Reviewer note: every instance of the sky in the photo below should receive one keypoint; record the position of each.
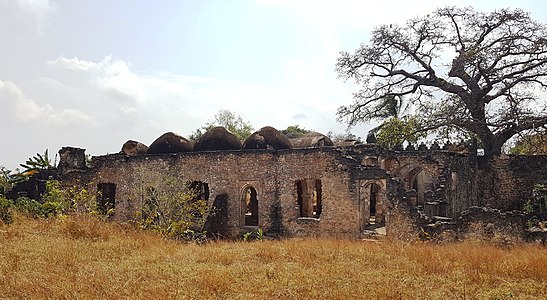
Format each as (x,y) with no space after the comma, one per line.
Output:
(96,73)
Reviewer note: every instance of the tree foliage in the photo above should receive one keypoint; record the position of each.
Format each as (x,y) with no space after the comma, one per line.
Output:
(395,131)
(337,138)
(294,131)
(531,144)
(171,206)
(229,120)
(38,162)
(477,72)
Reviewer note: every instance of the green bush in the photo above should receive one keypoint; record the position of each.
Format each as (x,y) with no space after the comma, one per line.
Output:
(172,207)
(29,207)
(6,215)
(536,206)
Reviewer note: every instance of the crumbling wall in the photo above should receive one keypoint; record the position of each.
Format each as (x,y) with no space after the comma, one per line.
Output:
(273,174)
(450,178)
(506,182)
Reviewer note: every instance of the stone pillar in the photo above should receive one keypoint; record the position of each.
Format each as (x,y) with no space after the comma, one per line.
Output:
(71,158)
(308,187)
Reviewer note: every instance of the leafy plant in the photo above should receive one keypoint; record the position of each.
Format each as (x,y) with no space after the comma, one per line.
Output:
(395,131)
(37,162)
(533,143)
(171,207)
(257,235)
(6,215)
(229,120)
(536,206)
(29,207)
(294,131)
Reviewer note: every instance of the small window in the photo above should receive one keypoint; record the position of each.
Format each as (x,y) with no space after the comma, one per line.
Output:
(250,203)
(309,194)
(106,197)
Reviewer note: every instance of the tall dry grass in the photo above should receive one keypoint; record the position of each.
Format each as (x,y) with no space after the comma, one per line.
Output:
(82,258)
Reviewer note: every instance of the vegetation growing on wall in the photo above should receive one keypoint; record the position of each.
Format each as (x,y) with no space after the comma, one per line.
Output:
(536,205)
(171,206)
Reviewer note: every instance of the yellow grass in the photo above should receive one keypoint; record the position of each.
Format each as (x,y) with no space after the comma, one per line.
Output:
(80,258)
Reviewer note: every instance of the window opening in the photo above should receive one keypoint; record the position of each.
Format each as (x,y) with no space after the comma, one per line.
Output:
(106,197)
(250,202)
(309,198)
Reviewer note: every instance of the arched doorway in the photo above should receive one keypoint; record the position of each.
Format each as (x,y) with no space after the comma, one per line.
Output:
(371,202)
(421,182)
(249,203)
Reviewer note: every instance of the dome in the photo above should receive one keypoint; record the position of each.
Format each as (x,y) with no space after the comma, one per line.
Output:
(311,140)
(170,143)
(267,138)
(217,138)
(134,148)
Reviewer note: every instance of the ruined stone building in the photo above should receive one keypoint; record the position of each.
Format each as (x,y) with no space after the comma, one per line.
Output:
(307,187)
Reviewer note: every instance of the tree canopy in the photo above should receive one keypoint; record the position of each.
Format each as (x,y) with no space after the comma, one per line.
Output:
(294,131)
(531,144)
(229,120)
(457,68)
(394,131)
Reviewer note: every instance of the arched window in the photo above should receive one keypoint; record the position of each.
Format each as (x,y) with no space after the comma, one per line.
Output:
(250,205)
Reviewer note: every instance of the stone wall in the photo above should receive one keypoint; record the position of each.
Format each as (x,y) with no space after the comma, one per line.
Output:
(273,174)
(413,186)
(506,182)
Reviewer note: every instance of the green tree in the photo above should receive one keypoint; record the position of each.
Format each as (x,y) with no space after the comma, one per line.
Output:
(229,120)
(395,131)
(457,68)
(533,143)
(294,131)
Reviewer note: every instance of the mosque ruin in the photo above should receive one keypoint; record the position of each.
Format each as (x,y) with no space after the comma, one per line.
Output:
(309,186)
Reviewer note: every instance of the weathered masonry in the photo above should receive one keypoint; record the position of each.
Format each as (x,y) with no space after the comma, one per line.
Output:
(320,190)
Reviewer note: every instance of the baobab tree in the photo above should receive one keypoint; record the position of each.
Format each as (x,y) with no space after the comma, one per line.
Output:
(481,73)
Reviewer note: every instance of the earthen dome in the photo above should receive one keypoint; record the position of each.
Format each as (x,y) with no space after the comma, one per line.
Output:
(134,148)
(170,143)
(217,138)
(312,139)
(267,138)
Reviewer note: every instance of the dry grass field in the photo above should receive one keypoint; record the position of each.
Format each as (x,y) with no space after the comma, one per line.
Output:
(81,258)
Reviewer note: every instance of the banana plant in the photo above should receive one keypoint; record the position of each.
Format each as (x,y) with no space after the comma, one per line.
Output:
(37,162)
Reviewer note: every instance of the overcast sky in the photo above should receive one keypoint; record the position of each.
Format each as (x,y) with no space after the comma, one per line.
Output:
(94,74)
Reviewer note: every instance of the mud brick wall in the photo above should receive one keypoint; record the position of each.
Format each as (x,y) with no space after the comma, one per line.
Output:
(506,182)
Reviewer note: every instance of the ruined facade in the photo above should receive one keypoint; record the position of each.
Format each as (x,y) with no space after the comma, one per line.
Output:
(314,191)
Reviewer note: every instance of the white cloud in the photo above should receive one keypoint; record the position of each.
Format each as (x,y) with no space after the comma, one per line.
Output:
(40,10)
(28,110)
(74,64)
(99,105)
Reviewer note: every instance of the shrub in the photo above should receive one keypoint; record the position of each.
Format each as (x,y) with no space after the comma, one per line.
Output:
(171,207)
(28,207)
(6,215)
(537,205)
(59,200)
